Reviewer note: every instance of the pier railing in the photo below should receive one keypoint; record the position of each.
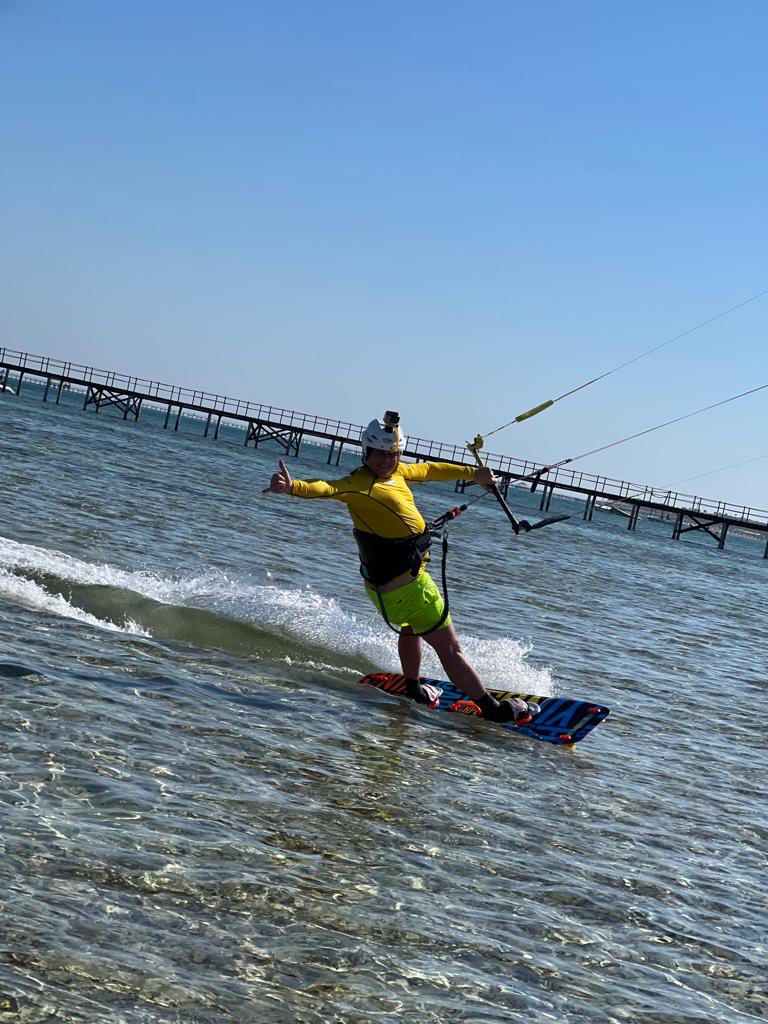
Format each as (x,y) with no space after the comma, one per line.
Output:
(519,471)
(171,394)
(526,472)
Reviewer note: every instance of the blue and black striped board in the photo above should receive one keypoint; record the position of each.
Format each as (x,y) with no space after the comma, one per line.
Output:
(560,720)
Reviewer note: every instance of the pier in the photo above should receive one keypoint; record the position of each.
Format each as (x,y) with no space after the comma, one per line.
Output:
(129,396)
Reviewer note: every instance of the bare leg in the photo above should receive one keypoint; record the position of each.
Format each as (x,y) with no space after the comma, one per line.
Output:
(462,674)
(409,647)
(457,668)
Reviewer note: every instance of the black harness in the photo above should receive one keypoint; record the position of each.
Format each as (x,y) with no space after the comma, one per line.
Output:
(382,560)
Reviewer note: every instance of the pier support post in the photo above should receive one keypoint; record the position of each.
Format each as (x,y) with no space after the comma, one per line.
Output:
(127,401)
(677,529)
(332,451)
(289,438)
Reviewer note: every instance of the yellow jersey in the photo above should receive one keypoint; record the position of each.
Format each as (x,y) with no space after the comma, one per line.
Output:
(386,507)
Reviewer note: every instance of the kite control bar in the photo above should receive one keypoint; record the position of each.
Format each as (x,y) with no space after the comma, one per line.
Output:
(518,525)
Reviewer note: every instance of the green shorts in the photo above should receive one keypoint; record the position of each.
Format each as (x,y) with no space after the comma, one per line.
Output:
(418,604)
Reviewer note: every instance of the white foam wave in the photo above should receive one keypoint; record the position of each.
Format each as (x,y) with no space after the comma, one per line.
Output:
(29,558)
(303,614)
(29,593)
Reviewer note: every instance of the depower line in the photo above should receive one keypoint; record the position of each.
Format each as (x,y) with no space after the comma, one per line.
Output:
(641,433)
(683,334)
(711,472)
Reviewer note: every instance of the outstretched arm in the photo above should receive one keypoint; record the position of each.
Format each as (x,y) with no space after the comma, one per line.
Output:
(416,471)
(281,482)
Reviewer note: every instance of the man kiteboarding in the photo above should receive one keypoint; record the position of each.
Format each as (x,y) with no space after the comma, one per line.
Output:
(393,542)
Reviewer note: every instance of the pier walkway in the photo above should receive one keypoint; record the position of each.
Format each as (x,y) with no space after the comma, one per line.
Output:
(128,396)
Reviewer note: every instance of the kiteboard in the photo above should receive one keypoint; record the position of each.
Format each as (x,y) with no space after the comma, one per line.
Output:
(560,720)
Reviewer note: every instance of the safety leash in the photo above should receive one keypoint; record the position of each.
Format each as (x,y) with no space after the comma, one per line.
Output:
(438,529)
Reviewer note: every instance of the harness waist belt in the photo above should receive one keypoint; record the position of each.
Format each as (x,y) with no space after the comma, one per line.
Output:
(381,560)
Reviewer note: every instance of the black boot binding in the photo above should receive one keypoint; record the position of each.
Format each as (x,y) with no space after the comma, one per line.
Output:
(423,693)
(506,710)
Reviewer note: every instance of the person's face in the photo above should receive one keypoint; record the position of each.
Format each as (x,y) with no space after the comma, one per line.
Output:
(382,464)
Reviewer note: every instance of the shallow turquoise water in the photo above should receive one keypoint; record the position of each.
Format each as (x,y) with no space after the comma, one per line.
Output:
(205,818)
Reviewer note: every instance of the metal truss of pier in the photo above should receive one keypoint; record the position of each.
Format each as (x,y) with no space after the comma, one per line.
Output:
(129,396)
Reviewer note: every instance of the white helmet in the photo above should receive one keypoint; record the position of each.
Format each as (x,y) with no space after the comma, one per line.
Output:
(384,434)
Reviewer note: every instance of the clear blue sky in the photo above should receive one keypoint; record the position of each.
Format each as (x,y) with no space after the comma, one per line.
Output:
(456,209)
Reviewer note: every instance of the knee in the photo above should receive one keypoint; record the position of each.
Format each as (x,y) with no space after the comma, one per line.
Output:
(454,647)
(446,643)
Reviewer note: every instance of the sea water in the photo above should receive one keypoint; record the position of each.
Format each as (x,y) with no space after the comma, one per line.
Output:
(205,817)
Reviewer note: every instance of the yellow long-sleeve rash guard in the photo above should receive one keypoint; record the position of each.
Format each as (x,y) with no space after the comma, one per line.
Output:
(385,508)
